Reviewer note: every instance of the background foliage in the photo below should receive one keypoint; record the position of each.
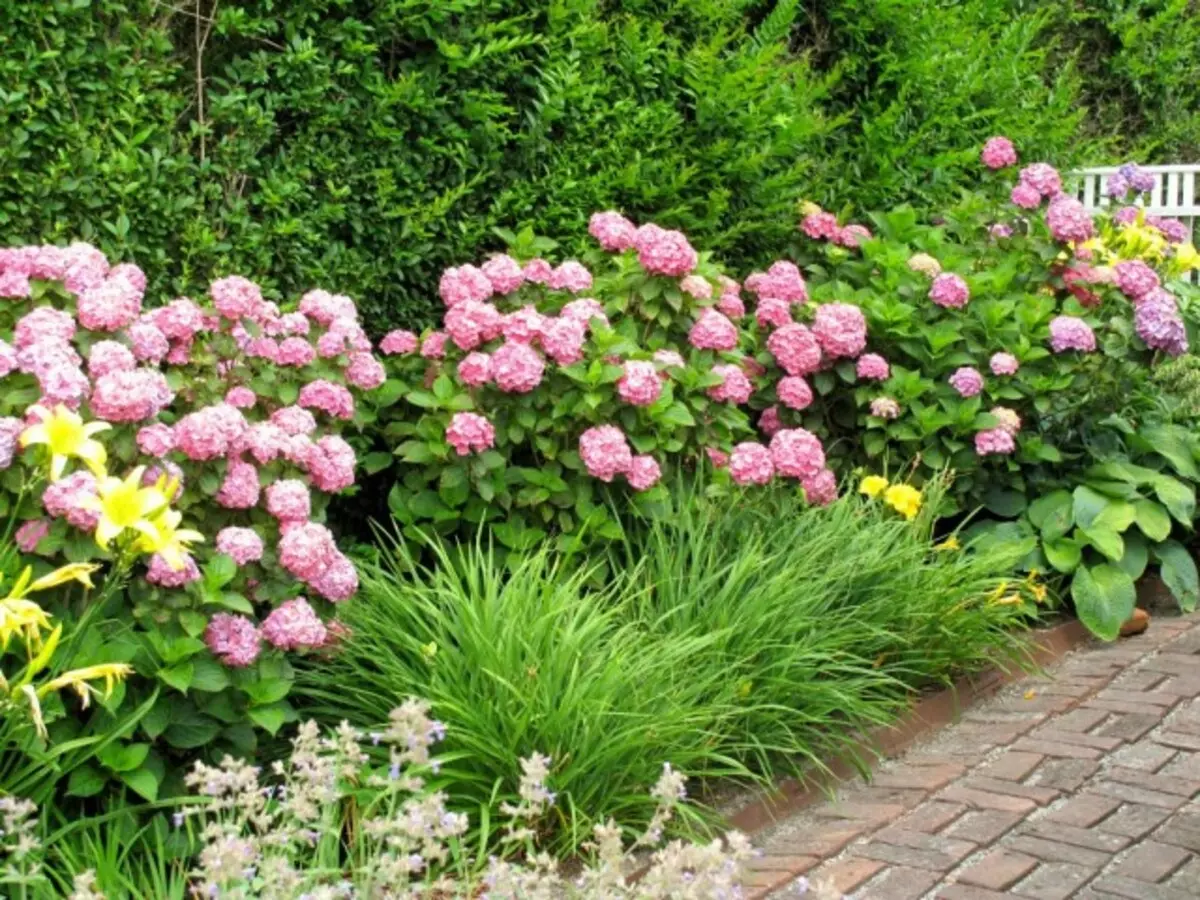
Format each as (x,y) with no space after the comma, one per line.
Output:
(374,143)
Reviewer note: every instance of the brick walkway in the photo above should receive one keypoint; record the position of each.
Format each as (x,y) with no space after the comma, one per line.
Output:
(1079,784)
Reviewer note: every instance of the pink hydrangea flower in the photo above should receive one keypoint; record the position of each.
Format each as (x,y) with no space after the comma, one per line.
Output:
(106,357)
(241,397)
(264,441)
(872,367)
(663,252)
(820,489)
(773,312)
(475,369)
(852,236)
(1159,325)
(840,329)
(331,399)
(294,420)
(998,153)
(797,453)
(156,440)
(1071,333)
(398,342)
(643,473)
(1003,364)
(1068,220)
(469,432)
(236,298)
(364,371)
(713,331)
(571,276)
(179,320)
(131,273)
(782,281)
(669,359)
(524,325)
(793,392)
(294,351)
(734,388)
(30,534)
(294,626)
(1025,196)
(434,345)
(994,441)
(240,489)
(110,305)
(64,498)
(1175,231)
(325,308)
(234,640)
(83,267)
(306,550)
(463,283)
(131,396)
(750,463)
(538,271)
(209,432)
(338,582)
(1134,278)
(696,286)
(517,368)
(885,408)
(1007,419)
(1043,178)
(820,226)
(288,500)
(243,544)
(925,264)
(1000,230)
(470,323)
(605,452)
(163,574)
(14,285)
(950,291)
(149,343)
(719,458)
(504,273)
(612,230)
(769,422)
(640,384)
(563,338)
(330,463)
(583,310)
(967,381)
(796,349)
(43,324)
(730,304)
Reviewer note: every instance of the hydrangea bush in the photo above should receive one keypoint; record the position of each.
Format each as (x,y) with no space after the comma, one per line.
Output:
(121,424)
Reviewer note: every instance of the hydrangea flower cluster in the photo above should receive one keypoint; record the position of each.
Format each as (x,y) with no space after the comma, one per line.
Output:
(1071,333)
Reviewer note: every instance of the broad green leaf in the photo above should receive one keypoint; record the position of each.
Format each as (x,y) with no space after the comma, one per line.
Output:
(143,782)
(1052,514)
(1104,599)
(1004,503)
(1117,516)
(1171,443)
(195,733)
(86,781)
(270,718)
(1177,497)
(1087,504)
(123,757)
(1063,554)
(209,675)
(178,676)
(1152,519)
(1105,540)
(1137,554)
(1178,570)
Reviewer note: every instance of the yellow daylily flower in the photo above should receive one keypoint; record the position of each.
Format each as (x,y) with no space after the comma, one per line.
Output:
(23,617)
(66,436)
(950,543)
(169,541)
(81,572)
(79,680)
(1038,591)
(903,498)
(873,486)
(124,505)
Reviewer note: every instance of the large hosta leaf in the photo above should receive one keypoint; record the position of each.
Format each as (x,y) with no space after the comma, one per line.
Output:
(1104,599)
(1178,570)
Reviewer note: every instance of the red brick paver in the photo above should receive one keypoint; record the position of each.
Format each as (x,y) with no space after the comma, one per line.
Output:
(1082,783)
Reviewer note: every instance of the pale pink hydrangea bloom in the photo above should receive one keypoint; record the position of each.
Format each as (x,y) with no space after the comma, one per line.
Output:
(605,452)
(325,308)
(364,371)
(663,252)
(110,305)
(563,338)
(885,408)
(42,357)
(398,342)
(43,324)
(63,499)
(840,329)
(872,367)
(294,420)
(209,432)
(131,396)
(331,399)
(750,463)
(264,441)
(236,298)
(241,397)
(925,264)
(950,291)
(1068,220)
(517,368)
(63,384)
(1000,230)
(330,463)
(719,458)
(156,440)
(538,271)
(994,441)
(470,323)
(669,359)
(524,325)
(1175,231)
(259,348)
(240,489)
(1159,324)
(14,285)
(797,453)
(612,230)
(820,489)
(730,304)
(820,226)
(338,582)
(434,345)
(149,343)
(782,281)
(504,273)
(852,236)
(571,276)
(8,359)
(998,153)
(1025,196)
(131,273)
(470,432)
(1003,364)
(108,356)
(734,388)
(475,369)
(769,422)
(83,267)
(295,352)
(796,349)
(967,381)
(289,500)
(643,473)
(793,392)
(640,384)
(697,286)
(1007,418)
(163,574)
(773,312)
(1043,178)
(1134,278)
(243,544)
(463,283)
(584,310)
(294,626)
(30,534)
(234,640)
(179,320)
(713,331)
(306,550)
(1071,333)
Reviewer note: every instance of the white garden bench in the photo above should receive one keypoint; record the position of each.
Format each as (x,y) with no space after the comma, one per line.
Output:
(1176,191)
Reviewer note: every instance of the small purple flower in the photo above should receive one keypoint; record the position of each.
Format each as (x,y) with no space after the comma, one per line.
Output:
(1070,333)
(967,381)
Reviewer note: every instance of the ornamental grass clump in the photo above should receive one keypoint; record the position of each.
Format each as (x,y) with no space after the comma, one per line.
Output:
(192,448)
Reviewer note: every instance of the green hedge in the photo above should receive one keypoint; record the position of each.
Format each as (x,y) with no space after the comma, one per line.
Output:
(366,144)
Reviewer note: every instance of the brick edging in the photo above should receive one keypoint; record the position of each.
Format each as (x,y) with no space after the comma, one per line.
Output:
(928,714)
